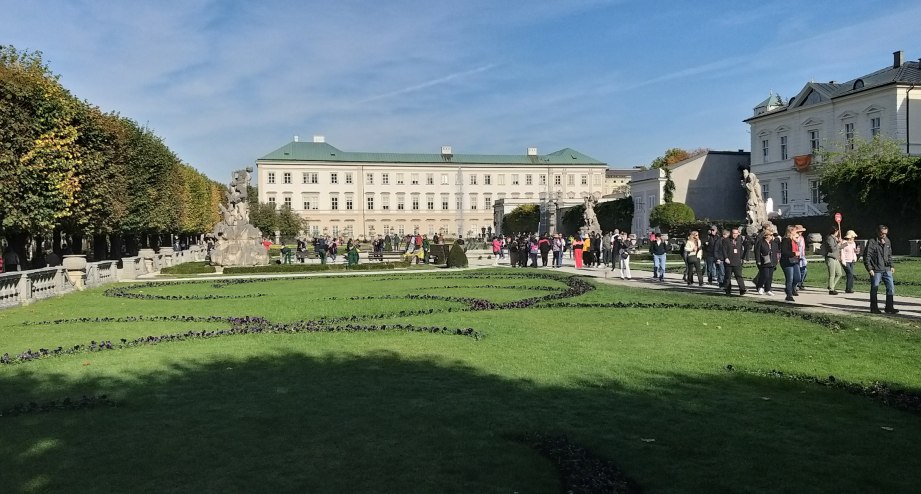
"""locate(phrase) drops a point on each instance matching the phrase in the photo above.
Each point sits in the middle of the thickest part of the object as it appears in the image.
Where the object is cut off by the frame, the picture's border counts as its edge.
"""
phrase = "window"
(813, 142)
(557, 180)
(306, 205)
(514, 179)
(584, 180)
(596, 179)
(399, 179)
(783, 148)
(334, 203)
(311, 202)
(348, 178)
(270, 178)
(402, 230)
(286, 178)
(487, 179)
(814, 192)
(414, 178)
(430, 202)
(502, 179)
(487, 202)
(529, 179)
(334, 178)
(429, 179)
(287, 202)
(335, 230)
(369, 178)
(444, 202)
(385, 201)
(271, 199)
(415, 203)
(543, 179)
(385, 179)
(316, 230)
(401, 203)
(444, 179)
(472, 179)
(459, 202)
(570, 180)
(849, 135)
(874, 126)
(765, 189)
(473, 201)
(348, 203)
(784, 196)
(765, 146)
(370, 200)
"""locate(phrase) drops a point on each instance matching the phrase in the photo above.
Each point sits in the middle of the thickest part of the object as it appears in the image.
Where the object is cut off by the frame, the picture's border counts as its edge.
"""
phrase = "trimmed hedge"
(309, 268)
(457, 258)
(202, 267)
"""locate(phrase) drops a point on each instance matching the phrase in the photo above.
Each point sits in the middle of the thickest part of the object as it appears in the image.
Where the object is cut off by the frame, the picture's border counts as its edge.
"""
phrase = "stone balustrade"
(25, 287)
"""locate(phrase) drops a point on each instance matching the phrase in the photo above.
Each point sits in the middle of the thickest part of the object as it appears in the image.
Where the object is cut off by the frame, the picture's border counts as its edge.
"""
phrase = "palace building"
(365, 194)
(787, 136)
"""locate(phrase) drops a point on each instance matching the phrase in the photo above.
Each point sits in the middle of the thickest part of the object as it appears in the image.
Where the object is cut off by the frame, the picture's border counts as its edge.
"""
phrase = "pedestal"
(75, 266)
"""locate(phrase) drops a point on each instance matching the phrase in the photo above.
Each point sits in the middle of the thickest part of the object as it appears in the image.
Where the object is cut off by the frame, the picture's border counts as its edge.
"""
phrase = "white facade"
(708, 182)
(368, 194)
(787, 136)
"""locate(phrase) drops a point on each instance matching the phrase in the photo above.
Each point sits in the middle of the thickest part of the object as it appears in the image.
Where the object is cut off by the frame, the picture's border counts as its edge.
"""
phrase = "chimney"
(319, 139)
(295, 138)
(532, 151)
(898, 58)
(446, 151)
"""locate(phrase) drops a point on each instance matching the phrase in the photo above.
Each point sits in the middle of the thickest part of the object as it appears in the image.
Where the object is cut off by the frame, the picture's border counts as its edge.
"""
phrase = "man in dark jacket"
(733, 250)
(710, 253)
(877, 258)
(719, 253)
(658, 248)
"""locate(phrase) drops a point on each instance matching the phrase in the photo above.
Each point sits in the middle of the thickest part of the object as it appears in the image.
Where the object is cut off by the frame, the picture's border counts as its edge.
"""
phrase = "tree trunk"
(100, 247)
(56, 242)
(132, 244)
(115, 244)
(76, 245)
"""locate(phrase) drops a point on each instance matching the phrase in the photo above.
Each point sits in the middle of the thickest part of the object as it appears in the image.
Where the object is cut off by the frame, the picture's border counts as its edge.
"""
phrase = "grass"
(398, 411)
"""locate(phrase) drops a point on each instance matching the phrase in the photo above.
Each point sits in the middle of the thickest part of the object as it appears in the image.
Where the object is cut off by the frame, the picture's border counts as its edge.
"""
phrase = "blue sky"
(225, 82)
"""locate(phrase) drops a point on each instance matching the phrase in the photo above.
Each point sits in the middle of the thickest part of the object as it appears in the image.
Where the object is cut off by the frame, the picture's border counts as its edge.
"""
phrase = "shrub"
(439, 253)
(189, 268)
(665, 216)
(457, 258)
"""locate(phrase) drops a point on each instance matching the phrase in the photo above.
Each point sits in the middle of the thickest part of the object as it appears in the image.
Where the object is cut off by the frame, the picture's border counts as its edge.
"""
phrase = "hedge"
(308, 268)
(189, 268)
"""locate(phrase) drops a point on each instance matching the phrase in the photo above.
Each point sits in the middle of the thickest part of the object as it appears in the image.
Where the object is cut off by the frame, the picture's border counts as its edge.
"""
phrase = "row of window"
(784, 199)
(812, 136)
(415, 203)
(311, 178)
(349, 232)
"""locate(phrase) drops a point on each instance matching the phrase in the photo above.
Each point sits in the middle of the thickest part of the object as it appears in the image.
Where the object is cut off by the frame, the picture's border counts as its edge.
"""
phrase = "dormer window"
(858, 84)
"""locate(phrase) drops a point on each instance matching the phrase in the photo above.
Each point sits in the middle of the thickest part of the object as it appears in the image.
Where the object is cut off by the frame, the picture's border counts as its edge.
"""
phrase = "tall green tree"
(523, 219)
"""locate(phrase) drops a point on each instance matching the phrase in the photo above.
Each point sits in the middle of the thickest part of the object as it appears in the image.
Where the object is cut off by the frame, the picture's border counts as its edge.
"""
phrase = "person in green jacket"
(352, 255)
(426, 245)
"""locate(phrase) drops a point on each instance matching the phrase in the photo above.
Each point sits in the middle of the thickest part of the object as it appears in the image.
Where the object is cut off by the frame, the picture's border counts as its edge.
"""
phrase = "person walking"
(766, 260)
(693, 252)
(719, 252)
(803, 269)
(627, 247)
(544, 245)
(789, 262)
(658, 248)
(832, 248)
(557, 246)
(710, 253)
(878, 261)
(849, 259)
(733, 262)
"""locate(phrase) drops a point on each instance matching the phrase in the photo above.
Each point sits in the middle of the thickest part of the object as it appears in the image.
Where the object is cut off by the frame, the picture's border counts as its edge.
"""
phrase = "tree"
(666, 216)
(523, 219)
(616, 214)
(872, 182)
(668, 190)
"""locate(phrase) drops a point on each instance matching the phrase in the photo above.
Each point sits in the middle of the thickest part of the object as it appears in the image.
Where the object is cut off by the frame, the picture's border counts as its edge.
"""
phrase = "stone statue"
(238, 243)
(755, 209)
(589, 216)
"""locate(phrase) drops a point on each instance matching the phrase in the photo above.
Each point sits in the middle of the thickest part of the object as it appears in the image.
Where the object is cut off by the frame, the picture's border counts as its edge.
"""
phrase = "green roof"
(321, 151)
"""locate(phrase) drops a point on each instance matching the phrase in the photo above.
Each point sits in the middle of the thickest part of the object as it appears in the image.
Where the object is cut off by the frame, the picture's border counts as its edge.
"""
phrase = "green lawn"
(390, 410)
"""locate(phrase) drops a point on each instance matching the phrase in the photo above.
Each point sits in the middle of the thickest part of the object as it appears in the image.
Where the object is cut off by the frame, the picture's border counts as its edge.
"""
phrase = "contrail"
(433, 82)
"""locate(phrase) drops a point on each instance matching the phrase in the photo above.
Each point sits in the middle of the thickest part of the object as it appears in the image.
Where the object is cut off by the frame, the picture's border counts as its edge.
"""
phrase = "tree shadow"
(379, 422)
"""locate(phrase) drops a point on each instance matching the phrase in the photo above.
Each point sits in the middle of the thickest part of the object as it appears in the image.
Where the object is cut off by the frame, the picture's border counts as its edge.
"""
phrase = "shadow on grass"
(379, 422)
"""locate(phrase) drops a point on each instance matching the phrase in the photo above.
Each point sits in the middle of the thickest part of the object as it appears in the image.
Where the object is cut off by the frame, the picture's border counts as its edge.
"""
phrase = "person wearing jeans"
(789, 262)
(658, 248)
(878, 261)
(832, 248)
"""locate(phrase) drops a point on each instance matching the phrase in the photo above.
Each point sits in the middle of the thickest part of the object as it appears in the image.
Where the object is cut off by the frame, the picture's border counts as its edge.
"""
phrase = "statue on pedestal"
(238, 243)
(755, 210)
(589, 217)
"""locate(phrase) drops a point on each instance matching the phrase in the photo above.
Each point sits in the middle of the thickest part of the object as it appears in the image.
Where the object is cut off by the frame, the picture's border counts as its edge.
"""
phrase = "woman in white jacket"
(693, 254)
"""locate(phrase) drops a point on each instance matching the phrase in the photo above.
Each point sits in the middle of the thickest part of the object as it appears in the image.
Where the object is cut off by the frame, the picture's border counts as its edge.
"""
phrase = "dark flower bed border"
(128, 292)
(819, 319)
(239, 326)
(882, 393)
(85, 402)
(580, 469)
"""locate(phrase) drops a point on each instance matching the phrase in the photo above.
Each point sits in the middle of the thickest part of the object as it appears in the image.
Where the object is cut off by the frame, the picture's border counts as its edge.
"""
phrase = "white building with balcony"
(355, 194)
(786, 136)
